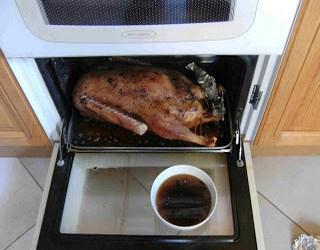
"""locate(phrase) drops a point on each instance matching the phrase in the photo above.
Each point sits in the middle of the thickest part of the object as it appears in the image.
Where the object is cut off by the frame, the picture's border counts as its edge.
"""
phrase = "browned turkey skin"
(140, 98)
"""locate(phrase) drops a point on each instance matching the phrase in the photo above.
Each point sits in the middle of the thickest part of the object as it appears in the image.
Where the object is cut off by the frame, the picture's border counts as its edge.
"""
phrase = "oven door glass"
(110, 194)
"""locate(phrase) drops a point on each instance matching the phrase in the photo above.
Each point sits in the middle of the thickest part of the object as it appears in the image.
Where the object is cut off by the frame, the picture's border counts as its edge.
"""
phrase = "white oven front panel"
(267, 34)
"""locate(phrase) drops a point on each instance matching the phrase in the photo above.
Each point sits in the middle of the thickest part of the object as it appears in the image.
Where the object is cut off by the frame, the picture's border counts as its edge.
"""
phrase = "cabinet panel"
(305, 99)
(20, 131)
(5, 123)
(292, 117)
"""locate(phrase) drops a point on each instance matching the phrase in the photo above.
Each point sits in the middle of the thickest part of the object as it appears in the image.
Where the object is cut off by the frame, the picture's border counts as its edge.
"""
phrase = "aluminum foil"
(306, 242)
(211, 89)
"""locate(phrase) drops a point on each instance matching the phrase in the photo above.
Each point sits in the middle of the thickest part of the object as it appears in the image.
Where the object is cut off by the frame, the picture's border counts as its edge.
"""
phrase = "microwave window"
(135, 12)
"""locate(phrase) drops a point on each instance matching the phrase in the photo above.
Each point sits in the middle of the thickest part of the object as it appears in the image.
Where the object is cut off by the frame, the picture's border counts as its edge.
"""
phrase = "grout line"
(19, 237)
(282, 212)
(30, 174)
(138, 182)
(125, 201)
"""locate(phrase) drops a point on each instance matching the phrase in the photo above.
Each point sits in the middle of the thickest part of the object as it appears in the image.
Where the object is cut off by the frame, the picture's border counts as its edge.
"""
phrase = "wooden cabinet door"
(291, 124)
(20, 132)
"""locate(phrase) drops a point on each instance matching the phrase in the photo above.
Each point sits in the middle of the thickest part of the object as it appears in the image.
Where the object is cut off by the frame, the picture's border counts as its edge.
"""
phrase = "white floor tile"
(24, 242)
(279, 232)
(293, 184)
(19, 200)
(38, 167)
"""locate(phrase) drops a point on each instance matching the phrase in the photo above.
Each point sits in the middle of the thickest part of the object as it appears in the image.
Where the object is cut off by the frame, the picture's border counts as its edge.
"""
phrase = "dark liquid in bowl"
(184, 200)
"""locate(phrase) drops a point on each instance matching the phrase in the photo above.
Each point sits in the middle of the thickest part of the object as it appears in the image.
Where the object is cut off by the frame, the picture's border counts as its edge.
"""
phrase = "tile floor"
(287, 188)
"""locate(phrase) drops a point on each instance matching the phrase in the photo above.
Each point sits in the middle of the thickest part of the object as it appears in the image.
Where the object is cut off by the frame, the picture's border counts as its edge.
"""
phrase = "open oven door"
(58, 224)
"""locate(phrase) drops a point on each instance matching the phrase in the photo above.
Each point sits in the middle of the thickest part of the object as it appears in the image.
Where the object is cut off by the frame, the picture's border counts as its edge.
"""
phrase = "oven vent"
(135, 12)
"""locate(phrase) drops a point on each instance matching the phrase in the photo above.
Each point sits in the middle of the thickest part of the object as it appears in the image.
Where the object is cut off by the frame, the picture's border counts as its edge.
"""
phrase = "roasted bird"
(139, 98)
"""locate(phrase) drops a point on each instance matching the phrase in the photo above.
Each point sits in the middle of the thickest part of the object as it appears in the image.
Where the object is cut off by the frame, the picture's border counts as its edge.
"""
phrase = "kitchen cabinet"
(20, 132)
(291, 123)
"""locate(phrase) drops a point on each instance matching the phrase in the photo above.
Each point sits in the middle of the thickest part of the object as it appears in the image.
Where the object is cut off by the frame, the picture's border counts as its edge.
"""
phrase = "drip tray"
(115, 197)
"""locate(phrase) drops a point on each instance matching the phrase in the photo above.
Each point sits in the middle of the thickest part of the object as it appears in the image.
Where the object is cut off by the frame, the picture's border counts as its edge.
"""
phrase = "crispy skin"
(140, 98)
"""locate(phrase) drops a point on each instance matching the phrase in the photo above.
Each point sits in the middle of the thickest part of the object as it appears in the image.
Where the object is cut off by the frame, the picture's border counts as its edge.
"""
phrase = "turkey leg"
(113, 115)
(174, 130)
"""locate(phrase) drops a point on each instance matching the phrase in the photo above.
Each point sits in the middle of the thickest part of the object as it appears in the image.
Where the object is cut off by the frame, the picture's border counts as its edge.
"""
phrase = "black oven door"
(51, 232)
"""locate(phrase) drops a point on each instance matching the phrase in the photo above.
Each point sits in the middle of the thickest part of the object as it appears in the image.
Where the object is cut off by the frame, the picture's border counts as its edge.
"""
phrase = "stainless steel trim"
(72, 148)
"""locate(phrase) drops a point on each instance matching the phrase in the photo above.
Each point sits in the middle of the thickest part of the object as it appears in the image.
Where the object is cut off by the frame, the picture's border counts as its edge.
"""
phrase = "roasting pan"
(89, 136)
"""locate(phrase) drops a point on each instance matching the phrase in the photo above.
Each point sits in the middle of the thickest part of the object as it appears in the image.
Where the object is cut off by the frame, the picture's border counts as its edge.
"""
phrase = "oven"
(100, 175)
(98, 187)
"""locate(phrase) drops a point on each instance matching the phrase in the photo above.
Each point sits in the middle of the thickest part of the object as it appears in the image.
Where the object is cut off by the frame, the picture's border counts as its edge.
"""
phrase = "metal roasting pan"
(86, 135)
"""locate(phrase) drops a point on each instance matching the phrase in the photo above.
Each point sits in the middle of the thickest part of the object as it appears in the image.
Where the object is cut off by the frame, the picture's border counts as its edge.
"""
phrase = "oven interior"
(101, 198)
(89, 135)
